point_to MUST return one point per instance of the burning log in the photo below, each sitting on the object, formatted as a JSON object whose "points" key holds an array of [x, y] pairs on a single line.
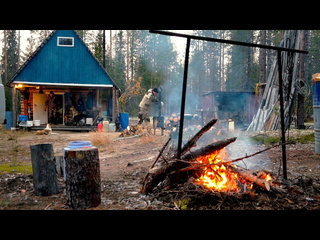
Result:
{"points": [[209, 149], [249, 176]]}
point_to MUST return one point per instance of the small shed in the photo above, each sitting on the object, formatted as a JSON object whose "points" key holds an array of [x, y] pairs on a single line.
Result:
{"points": [[240, 107], [82, 88]]}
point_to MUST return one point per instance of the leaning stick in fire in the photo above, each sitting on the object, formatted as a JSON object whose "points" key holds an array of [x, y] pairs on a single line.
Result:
{"points": [[209, 149], [155, 161], [192, 142], [227, 162]]}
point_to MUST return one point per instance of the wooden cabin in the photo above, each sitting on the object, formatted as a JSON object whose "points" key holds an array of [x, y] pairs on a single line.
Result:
{"points": [[64, 65], [239, 107]]}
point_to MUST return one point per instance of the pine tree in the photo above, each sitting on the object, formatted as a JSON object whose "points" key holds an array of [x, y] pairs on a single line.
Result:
{"points": [[10, 60], [97, 46], [119, 61]]}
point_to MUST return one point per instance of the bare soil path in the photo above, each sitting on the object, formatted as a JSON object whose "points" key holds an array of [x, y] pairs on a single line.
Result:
{"points": [[123, 164]]}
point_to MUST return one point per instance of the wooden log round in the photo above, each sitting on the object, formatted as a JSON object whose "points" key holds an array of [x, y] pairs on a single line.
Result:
{"points": [[44, 171], [83, 178]]}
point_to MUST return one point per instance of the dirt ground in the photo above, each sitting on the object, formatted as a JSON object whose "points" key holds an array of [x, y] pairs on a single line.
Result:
{"points": [[123, 165]]}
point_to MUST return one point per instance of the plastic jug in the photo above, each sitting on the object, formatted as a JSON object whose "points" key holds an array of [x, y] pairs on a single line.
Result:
{"points": [[100, 127]]}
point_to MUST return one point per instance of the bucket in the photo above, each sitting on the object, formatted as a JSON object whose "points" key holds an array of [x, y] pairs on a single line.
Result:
{"points": [[23, 118], [112, 127], [74, 145], [316, 114], [124, 120], [89, 121], [36, 122]]}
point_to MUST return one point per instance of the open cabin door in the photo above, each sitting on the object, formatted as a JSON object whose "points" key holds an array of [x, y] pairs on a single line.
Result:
{"points": [[39, 101]]}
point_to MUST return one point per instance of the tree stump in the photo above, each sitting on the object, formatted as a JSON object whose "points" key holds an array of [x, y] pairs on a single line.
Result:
{"points": [[83, 178], [44, 170]]}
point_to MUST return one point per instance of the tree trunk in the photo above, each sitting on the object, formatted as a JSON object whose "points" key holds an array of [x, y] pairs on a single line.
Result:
{"points": [[44, 171], [83, 178]]}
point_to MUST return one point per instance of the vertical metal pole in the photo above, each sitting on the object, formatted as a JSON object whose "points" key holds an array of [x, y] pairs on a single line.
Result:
{"points": [[14, 106], [104, 49], [283, 137], [183, 100]]}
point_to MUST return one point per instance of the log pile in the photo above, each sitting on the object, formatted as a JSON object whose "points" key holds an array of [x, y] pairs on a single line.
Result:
{"points": [[171, 171], [133, 130], [267, 116], [172, 123]]}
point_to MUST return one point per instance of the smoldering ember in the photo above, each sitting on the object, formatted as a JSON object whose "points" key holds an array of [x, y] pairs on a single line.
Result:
{"points": [[218, 149]]}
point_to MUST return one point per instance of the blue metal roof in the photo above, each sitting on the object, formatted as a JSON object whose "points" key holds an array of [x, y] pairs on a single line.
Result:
{"points": [[63, 65]]}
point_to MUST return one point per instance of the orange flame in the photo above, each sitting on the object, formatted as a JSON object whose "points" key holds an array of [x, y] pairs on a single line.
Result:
{"points": [[267, 177], [217, 177]]}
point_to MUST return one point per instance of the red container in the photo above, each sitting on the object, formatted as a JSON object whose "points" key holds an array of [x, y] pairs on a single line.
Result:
{"points": [[100, 127]]}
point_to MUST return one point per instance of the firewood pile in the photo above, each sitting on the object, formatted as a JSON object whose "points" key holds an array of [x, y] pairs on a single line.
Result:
{"points": [[172, 123], [133, 130], [206, 175]]}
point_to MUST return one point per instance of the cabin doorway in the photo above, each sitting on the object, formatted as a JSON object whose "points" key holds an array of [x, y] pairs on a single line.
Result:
{"points": [[39, 102], [39, 112]]}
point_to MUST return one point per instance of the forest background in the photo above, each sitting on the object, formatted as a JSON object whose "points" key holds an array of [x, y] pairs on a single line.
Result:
{"points": [[138, 60]]}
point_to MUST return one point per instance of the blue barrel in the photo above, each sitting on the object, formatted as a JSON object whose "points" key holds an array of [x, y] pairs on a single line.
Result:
{"points": [[124, 120], [316, 114], [9, 117]]}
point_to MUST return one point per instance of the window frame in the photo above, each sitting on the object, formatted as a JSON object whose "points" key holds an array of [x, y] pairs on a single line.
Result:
{"points": [[61, 45]]}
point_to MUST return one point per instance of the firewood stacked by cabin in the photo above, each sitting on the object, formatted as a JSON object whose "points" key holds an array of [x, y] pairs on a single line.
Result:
{"points": [[133, 130], [172, 123]]}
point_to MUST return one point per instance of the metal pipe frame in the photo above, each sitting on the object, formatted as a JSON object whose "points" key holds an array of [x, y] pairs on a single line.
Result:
{"points": [[185, 77]]}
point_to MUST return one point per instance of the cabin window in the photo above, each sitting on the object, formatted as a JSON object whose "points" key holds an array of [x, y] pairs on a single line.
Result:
{"points": [[65, 41]]}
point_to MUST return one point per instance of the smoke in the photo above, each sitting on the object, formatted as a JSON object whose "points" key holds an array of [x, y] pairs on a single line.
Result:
{"points": [[245, 146], [242, 147]]}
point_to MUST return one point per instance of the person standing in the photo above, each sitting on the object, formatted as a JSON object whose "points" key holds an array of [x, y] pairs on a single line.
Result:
{"points": [[148, 99], [51, 106]]}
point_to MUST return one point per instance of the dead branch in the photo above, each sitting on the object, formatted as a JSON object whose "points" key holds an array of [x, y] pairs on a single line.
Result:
{"points": [[155, 161], [221, 163], [209, 149]]}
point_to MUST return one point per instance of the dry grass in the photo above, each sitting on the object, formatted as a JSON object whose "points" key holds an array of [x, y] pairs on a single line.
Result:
{"points": [[147, 138], [99, 138]]}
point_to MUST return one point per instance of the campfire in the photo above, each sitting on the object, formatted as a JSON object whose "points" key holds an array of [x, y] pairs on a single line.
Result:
{"points": [[208, 166], [217, 177]]}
